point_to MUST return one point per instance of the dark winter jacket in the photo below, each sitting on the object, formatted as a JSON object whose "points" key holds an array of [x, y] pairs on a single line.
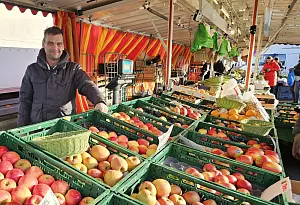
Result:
{"points": [[47, 93]]}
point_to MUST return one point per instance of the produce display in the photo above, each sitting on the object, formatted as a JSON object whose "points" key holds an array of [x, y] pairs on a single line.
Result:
{"points": [[187, 98]]}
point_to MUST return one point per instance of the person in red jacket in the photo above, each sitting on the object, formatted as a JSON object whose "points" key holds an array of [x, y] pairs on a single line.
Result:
{"points": [[270, 71]]}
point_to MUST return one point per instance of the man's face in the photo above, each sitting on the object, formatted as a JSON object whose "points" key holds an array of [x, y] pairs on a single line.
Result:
{"points": [[268, 60], [54, 46]]}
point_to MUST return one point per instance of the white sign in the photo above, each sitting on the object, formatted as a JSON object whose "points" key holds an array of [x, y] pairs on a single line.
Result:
{"points": [[282, 186], [164, 138], [49, 199]]}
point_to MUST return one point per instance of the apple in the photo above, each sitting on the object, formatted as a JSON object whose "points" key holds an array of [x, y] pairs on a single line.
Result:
{"points": [[100, 153], [11, 156], [1, 176], [183, 111], [7, 184], [15, 174], [60, 186], [133, 162], [270, 152], [259, 151], [221, 179], [35, 170], [208, 176], [3, 149], [191, 197], [163, 187], [20, 194], [123, 138], [41, 190], [103, 134], [104, 166], [211, 132], [272, 166], [13, 203], [197, 174], [22, 164], [133, 143], [143, 149], [253, 154], [190, 170], [197, 203], [217, 151], [244, 184], [150, 152], [86, 201], [209, 167], [95, 173], [4, 196], [111, 157], [209, 202], [251, 142], [112, 177], [260, 160], [75, 159], [73, 197], [245, 159], [46, 179], [85, 155], [5, 166], [225, 172], [234, 151], [177, 199], [94, 129], [202, 131], [61, 198], [143, 142], [232, 179], [239, 176], [209, 190], [118, 163], [146, 197], [90, 162], [165, 201], [228, 185], [273, 158], [216, 173], [33, 200], [245, 191], [149, 186], [81, 167], [29, 181], [175, 190]]}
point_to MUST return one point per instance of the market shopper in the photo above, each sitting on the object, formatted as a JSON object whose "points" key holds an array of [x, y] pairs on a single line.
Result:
{"points": [[49, 85], [296, 143], [270, 71], [297, 81]]}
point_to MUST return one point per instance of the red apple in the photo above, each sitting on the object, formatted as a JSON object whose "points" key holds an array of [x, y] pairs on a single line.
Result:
{"points": [[234, 151], [122, 138], [260, 160], [15, 174], [61, 199], [244, 184], [4, 197], [211, 132], [41, 190], [225, 172], [143, 142], [20, 194], [13, 157], [96, 173], [216, 173], [245, 191], [7, 184], [239, 176], [33, 200], [5, 166], [253, 154], [208, 176], [104, 166], [3, 150], [46, 179], [198, 174], [22, 164], [254, 149], [94, 129], [274, 158], [113, 139], [190, 170], [60, 186], [73, 197], [251, 142], [272, 166], [217, 151], [221, 179], [209, 167], [245, 159], [270, 152], [232, 179], [35, 171], [183, 111], [228, 185], [29, 181], [86, 201]]}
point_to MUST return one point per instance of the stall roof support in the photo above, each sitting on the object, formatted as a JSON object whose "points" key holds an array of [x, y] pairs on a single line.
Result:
{"points": [[159, 36], [170, 40], [259, 42]]}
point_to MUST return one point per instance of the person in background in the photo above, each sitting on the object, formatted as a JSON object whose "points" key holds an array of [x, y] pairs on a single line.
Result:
{"points": [[270, 73], [49, 86], [297, 81], [276, 59]]}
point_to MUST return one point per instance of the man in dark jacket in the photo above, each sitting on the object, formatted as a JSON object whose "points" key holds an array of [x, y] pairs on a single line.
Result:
{"points": [[49, 85]]}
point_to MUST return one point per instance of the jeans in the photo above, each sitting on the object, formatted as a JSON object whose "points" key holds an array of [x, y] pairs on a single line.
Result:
{"points": [[297, 90]]}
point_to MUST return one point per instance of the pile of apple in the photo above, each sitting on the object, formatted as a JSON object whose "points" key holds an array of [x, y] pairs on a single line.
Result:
{"points": [[221, 135], [267, 159], [24, 184], [235, 181], [99, 163], [141, 146], [188, 98], [180, 109], [160, 192], [138, 123]]}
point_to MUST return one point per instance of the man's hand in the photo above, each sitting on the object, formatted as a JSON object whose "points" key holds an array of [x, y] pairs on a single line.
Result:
{"points": [[102, 107], [268, 70]]}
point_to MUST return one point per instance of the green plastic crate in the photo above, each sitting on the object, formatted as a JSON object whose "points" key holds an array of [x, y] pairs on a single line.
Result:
{"points": [[234, 135], [285, 133], [50, 166], [50, 127], [119, 199], [144, 117], [193, 105], [195, 158], [187, 183], [149, 108], [109, 123], [216, 120]]}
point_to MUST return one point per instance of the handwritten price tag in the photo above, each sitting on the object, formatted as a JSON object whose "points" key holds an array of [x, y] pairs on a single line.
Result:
{"points": [[49, 199]]}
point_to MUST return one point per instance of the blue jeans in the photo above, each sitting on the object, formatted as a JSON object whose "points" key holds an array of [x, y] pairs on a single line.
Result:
{"points": [[297, 90]]}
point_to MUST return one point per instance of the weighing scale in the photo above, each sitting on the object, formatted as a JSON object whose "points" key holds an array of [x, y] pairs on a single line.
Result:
{"points": [[124, 77]]}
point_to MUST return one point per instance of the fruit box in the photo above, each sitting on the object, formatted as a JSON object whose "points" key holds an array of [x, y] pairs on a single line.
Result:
{"points": [[159, 111], [54, 168], [193, 104], [61, 125], [285, 133], [181, 157], [162, 125], [108, 123], [183, 97], [187, 183], [119, 199]]}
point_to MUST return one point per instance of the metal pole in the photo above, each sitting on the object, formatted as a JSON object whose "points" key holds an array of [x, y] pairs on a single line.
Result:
{"points": [[259, 41], [170, 39], [252, 42]]}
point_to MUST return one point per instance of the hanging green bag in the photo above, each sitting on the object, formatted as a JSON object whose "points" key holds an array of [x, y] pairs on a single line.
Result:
{"points": [[201, 39], [223, 48], [215, 41]]}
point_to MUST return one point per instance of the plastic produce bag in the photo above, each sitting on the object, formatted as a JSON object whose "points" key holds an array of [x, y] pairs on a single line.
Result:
{"points": [[234, 52], [223, 48], [201, 39], [215, 41], [291, 78]]}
